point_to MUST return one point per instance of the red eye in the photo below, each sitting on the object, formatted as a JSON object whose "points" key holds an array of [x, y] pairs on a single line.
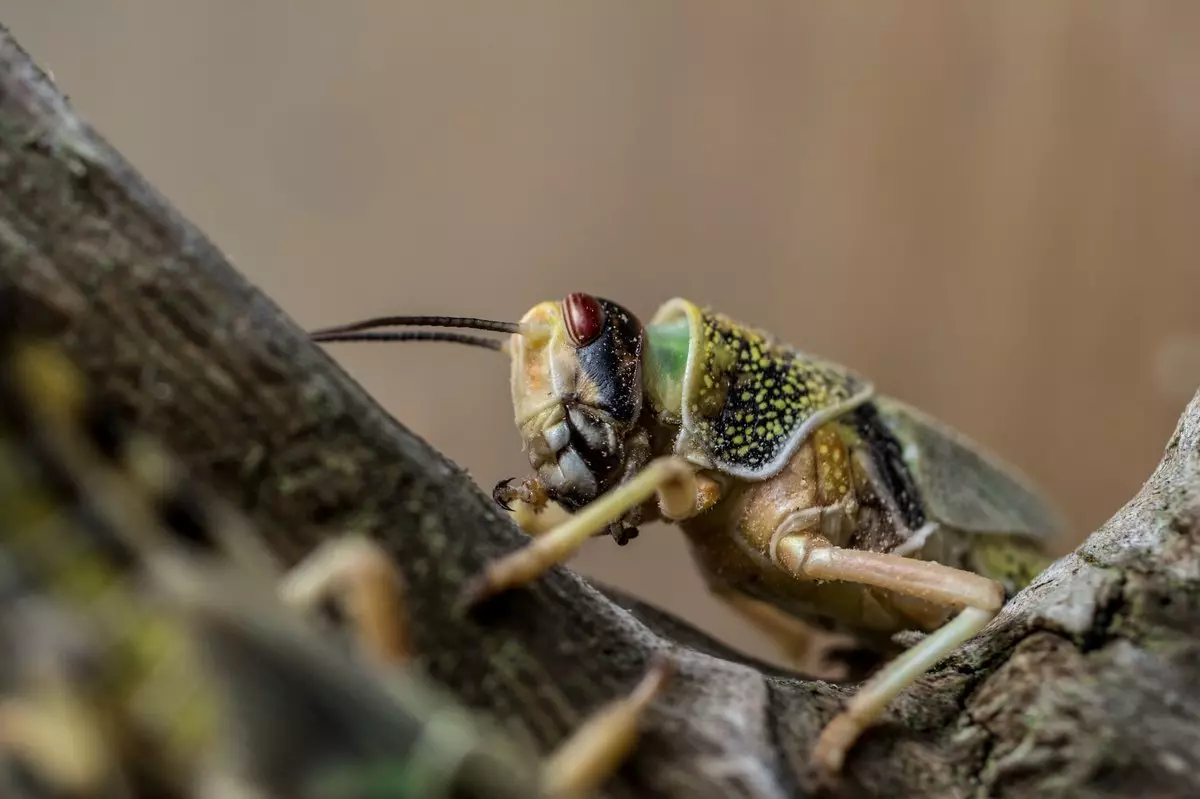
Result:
{"points": [[584, 316]]}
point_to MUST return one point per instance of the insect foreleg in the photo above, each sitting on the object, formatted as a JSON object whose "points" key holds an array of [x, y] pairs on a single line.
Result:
{"points": [[671, 479], [357, 571], [598, 747], [536, 522], [811, 558]]}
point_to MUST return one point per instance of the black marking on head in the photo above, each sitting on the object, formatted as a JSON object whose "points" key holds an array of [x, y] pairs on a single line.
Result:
{"points": [[612, 361], [888, 457]]}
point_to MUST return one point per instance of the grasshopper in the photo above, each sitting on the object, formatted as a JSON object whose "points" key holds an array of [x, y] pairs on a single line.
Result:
{"points": [[807, 498], [201, 676]]}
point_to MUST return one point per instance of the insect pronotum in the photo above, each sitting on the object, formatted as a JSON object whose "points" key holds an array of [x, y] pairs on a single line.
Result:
{"points": [[805, 495]]}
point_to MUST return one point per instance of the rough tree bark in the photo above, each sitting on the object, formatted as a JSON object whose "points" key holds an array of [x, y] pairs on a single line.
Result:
{"points": [[1085, 686]]}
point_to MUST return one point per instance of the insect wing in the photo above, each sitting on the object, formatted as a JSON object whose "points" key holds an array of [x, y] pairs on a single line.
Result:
{"points": [[963, 485]]}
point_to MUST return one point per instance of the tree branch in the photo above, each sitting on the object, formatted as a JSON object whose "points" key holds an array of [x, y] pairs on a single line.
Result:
{"points": [[1082, 687]]}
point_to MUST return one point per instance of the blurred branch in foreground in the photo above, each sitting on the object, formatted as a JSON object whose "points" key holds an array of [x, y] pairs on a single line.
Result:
{"points": [[1082, 687]]}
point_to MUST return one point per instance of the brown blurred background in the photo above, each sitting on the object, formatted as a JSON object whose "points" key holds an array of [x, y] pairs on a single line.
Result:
{"points": [[989, 209]]}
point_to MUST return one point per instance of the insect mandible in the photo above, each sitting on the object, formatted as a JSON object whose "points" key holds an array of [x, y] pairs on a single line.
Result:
{"points": [[805, 496]]}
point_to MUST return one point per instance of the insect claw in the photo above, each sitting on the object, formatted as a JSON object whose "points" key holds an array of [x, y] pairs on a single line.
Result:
{"points": [[503, 495]]}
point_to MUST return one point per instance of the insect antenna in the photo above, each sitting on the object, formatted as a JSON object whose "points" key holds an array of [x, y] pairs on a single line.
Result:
{"points": [[414, 335], [369, 330]]}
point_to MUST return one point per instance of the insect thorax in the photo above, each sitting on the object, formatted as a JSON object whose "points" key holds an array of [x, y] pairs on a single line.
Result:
{"points": [[744, 400]]}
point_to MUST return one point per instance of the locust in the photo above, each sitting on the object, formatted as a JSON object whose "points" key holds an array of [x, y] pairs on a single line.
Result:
{"points": [[166, 653], [809, 500]]}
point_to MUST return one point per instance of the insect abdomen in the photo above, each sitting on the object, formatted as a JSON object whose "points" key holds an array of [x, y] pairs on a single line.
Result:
{"points": [[1011, 560]]}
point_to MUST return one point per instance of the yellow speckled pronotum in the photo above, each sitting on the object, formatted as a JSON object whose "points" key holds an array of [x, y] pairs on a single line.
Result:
{"points": [[806, 497]]}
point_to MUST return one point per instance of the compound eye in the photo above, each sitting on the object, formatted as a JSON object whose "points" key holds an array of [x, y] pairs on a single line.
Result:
{"points": [[584, 317]]}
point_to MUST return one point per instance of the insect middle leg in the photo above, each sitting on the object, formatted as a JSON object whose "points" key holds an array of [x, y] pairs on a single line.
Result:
{"points": [[672, 479], [594, 751], [810, 557], [805, 647]]}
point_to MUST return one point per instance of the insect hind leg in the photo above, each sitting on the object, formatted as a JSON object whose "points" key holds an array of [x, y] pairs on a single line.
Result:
{"points": [[979, 598], [844, 730]]}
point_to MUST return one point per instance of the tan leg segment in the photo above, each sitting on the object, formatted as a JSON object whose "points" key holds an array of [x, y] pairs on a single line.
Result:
{"points": [[811, 560], [535, 521], [601, 744], [672, 479], [791, 636], [358, 572], [58, 734], [805, 647]]}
